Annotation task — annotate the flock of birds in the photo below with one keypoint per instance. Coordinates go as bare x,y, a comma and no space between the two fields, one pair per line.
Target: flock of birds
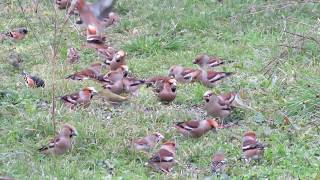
94,17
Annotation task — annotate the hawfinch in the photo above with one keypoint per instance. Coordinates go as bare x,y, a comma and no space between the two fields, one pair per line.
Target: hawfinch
218,163
17,34
204,60
131,85
62,142
112,19
211,78
91,72
33,81
73,56
182,74
15,60
196,129
219,105
118,82
148,142
164,87
82,97
114,77
251,147
167,90
113,81
163,159
107,52
117,60
156,80
93,37
116,87
94,14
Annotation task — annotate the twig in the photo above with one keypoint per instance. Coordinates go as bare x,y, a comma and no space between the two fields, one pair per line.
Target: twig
302,36
274,60
294,47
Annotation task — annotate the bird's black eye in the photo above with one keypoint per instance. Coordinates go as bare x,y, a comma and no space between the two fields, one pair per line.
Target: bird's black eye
207,100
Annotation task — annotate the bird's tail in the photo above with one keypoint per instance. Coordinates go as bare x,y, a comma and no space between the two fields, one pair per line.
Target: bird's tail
138,82
223,75
72,76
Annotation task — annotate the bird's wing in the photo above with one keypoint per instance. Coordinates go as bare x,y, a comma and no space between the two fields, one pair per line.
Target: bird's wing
162,156
189,125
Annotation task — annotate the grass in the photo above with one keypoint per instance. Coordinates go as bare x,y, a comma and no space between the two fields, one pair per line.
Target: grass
282,84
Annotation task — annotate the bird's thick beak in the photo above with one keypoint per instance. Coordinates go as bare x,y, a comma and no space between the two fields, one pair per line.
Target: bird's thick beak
116,58
194,62
107,62
104,65
94,92
206,98
161,137
74,133
187,77
125,73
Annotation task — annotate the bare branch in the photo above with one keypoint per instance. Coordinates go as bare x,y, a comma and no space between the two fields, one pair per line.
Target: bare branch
305,37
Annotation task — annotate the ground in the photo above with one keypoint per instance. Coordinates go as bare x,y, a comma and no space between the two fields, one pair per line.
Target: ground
275,48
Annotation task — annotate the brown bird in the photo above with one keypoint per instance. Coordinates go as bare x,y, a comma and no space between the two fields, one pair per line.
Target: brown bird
117,60
112,19
87,16
113,76
91,72
182,74
33,81
148,142
62,142
82,97
95,14
132,85
93,37
116,87
218,163
167,90
196,129
252,149
219,105
153,81
15,60
107,53
163,160
118,82
211,78
73,56
204,61
17,34
63,4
